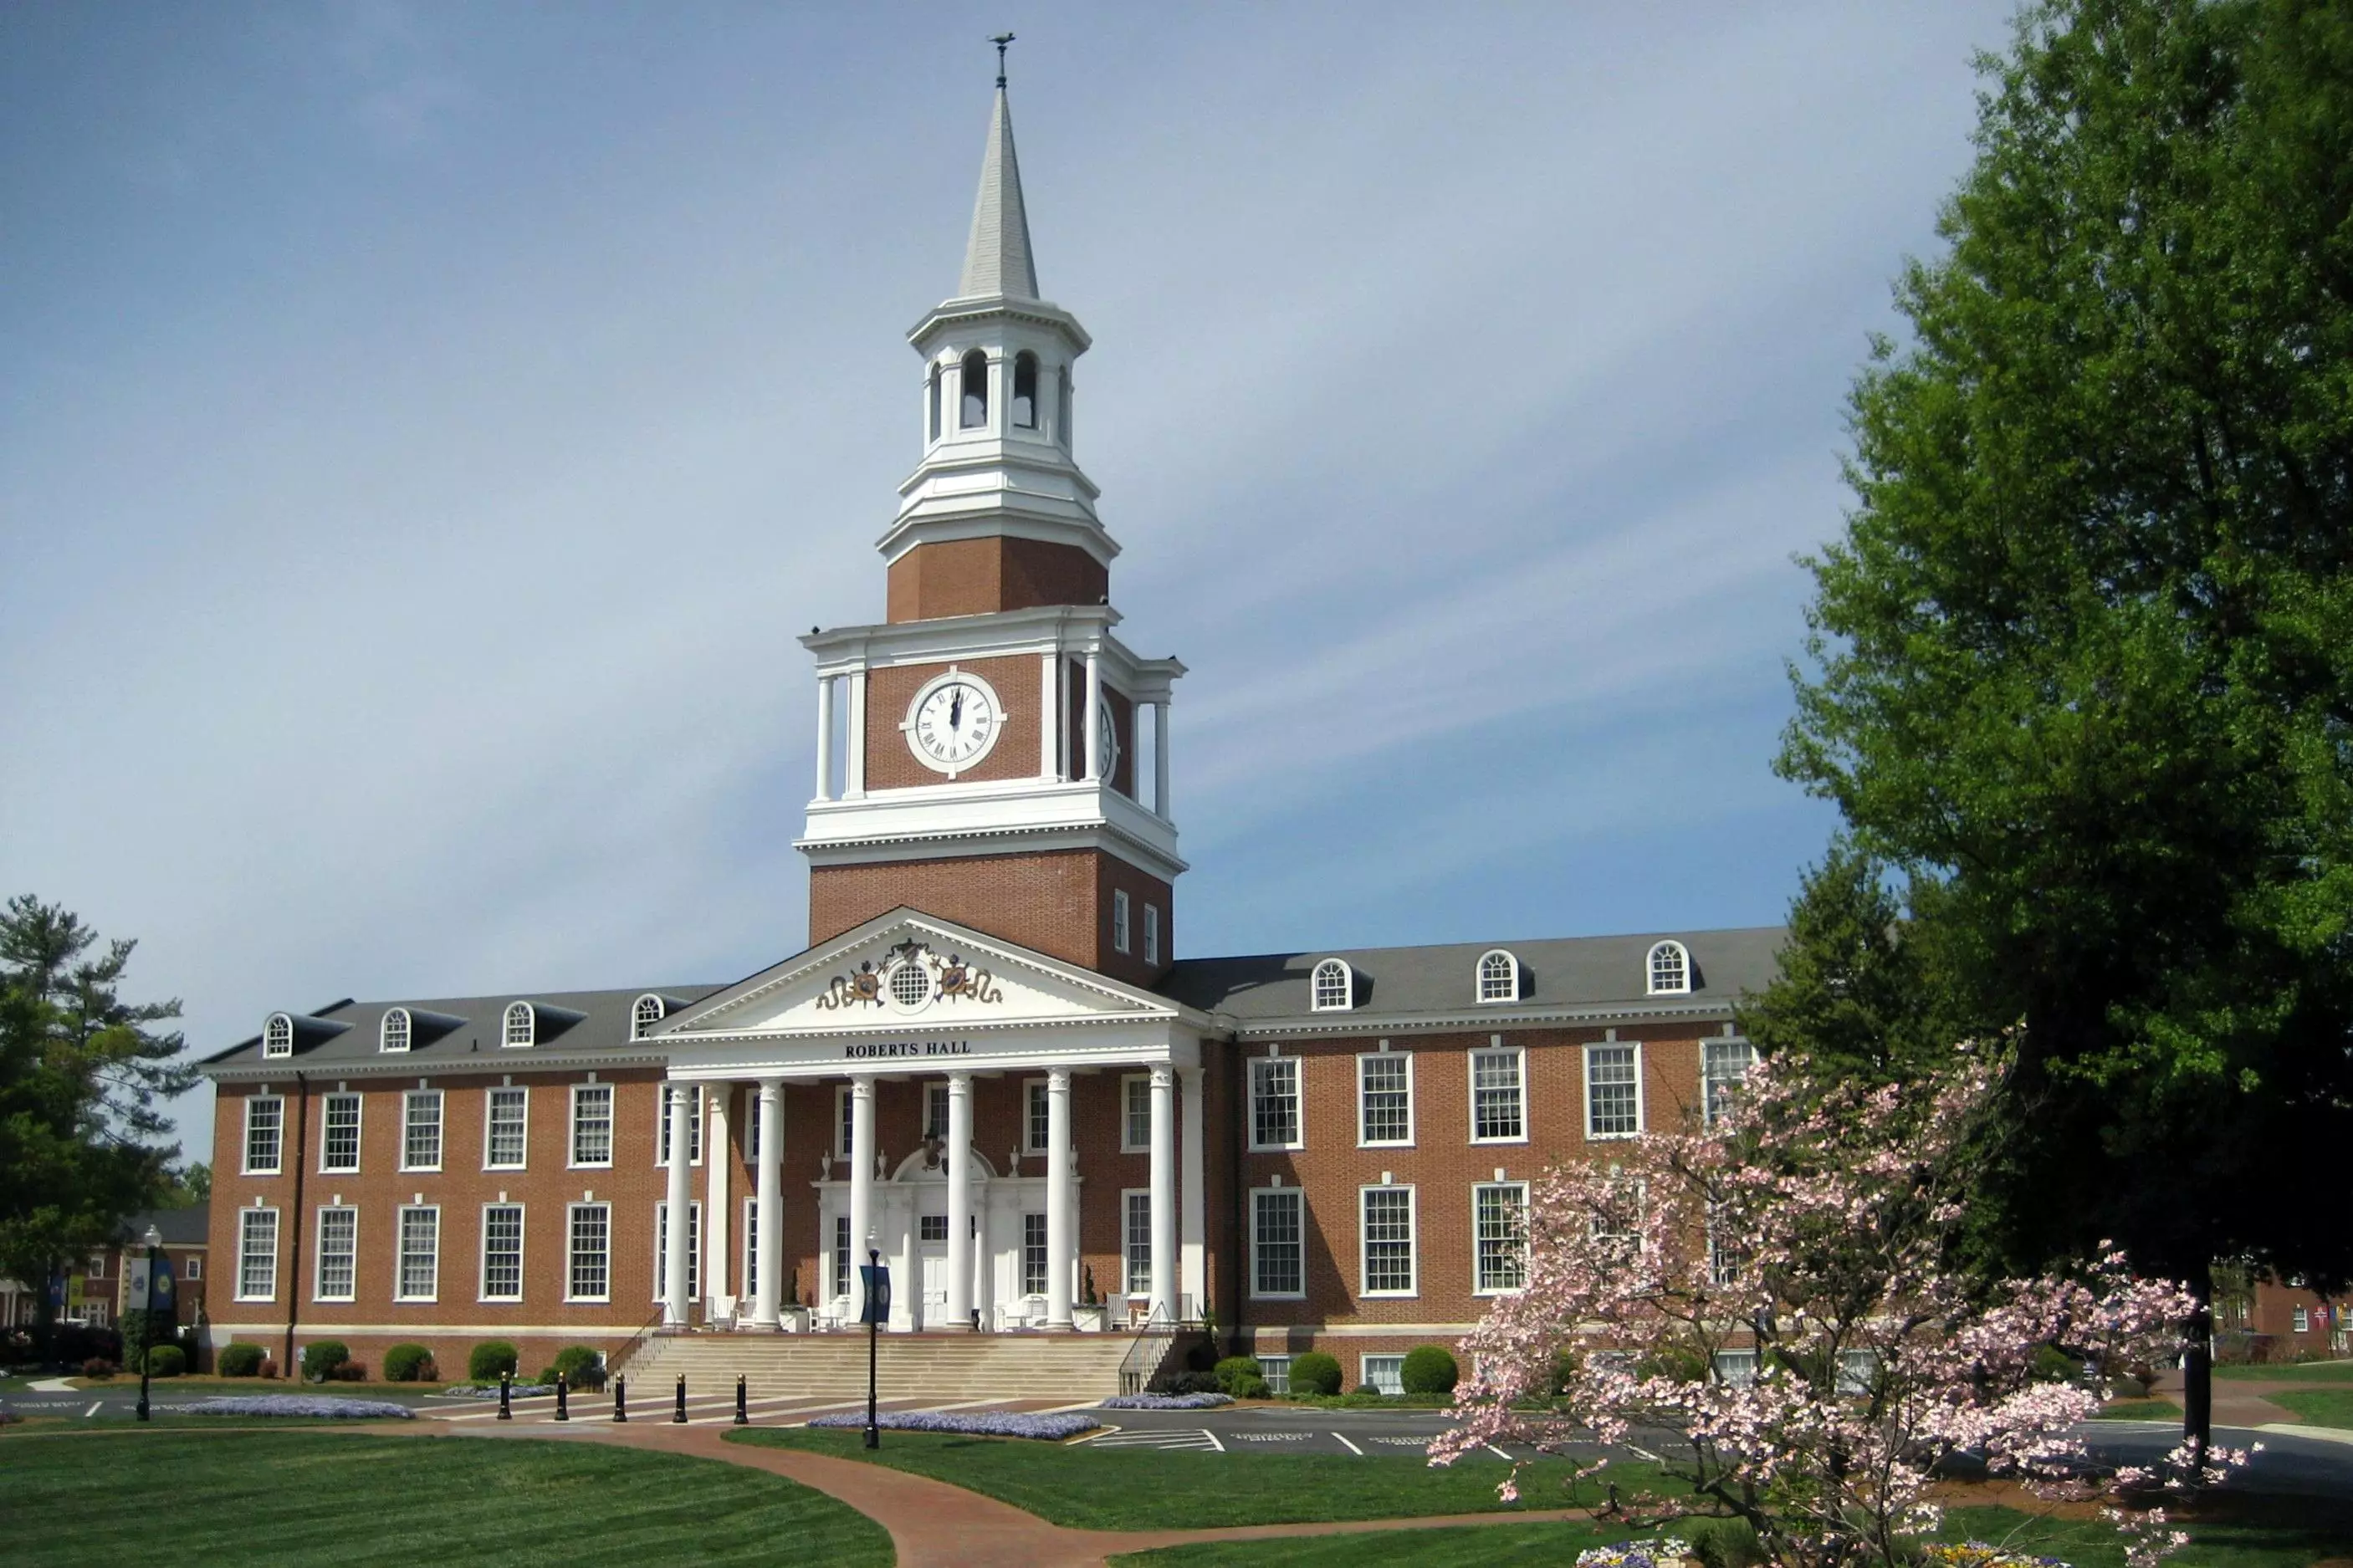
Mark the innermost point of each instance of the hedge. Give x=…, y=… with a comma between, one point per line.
x=1430, y=1369
x=322, y=1357
x=239, y=1360
x=406, y=1363
x=1233, y=1369
x=1315, y=1372
x=491, y=1358
x=166, y=1360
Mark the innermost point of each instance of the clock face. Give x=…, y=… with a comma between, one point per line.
x=953, y=723
x=1110, y=742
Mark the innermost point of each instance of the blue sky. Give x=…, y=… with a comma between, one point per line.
x=425, y=430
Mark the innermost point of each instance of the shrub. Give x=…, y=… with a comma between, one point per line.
x=1315, y=1372
x=2052, y=1364
x=322, y=1357
x=581, y=1366
x=1194, y=1383
x=269, y=1369
x=1563, y=1369
x=1233, y=1369
x=98, y=1366
x=1250, y=1385
x=238, y=1360
x=165, y=1360
x=1430, y=1369
x=71, y=1345
x=350, y=1372
x=405, y=1363
x=1202, y=1355
x=486, y=1362
x=1363, y=1391
x=1727, y=1544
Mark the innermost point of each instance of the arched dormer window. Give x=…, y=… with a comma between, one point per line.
x=1333, y=987
x=645, y=1016
x=277, y=1035
x=931, y=407
x=521, y=1024
x=392, y=1034
x=1670, y=970
x=973, y=406
x=1499, y=977
x=1025, y=390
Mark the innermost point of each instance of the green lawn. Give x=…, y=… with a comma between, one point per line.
x=1142, y=1488
x=296, y=1498
x=2316, y=1407
x=2291, y=1372
x=1454, y=1546
x=2138, y=1410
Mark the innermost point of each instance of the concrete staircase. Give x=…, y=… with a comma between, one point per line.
x=1064, y=1368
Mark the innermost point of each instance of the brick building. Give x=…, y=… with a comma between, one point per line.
x=989, y=1067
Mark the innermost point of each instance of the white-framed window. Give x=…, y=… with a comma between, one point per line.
x=419, y=1278
x=1499, y=977
x=752, y=1123
x=1384, y=1099
x=339, y=1138
x=1670, y=970
x=420, y=1139
x=1332, y=988
x=1037, y=1124
x=1152, y=933
x=502, y=1252
x=506, y=1128
x=1033, y=1255
x=191, y=1268
x=752, y=1251
x=1499, y=1095
x=844, y=1262
x=936, y=1110
x=693, y=1127
x=393, y=1034
x=1387, y=1236
x=644, y=1013
x=1724, y=1067
x=2303, y=1324
x=1386, y=1371
x=1278, y=1242
x=265, y=1133
x=592, y=1124
x=1119, y=920
x=1276, y=1370
x=1499, y=1232
x=1726, y=1256
x=693, y=1249
x=1275, y=1103
x=1857, y=1370
x=1613, y=1091
x=1135, y=1114
x=522, y=1028
x=337, y=1277
x=590, y=1275
x=1735, y=1369
x=277, y=1035
x=1135, y=1250
x=257, y=1254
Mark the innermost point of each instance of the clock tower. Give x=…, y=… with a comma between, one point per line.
x=992, y=753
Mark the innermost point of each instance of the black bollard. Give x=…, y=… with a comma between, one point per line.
x=505, y=1412
x=740, y=1418
x=563, y=1410
x=620, y=1399
x=677, y=1417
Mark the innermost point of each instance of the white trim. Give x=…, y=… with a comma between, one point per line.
x=1476, y=1288
x=1510, y=987
x=1298, y=1108
x=278, y=1166
x=1708, y=1081
x=695, y=1238
x=1127, y=1195
x=326, y=1125
x=407, y=1030
x=1641, y=1111
x=409, y=1099
x=1347, y=1002
x=244, y=1225
x=572, y=1130
x=1413, y=1242
x=1520, y=1073
x=489, y=1120
x=1364, y=1359
x=1682, y=956
x=530, y=1015
x=952, y=674
x=1128, y=1116
x=694, y=1124
x=1299, y=1197
x=276, y=1037
x=639, y=1023
x=1122, y=920
x=1386, y=1056
x=400, y=1251
x=319, y=1252
x=483, y=1252
x=570, y=1210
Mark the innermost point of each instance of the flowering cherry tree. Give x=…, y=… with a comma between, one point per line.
x=1770, y=1296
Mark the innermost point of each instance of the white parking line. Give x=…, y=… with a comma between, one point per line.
x=93, y=1408
x=1499, y=1454
x=1646, y=1453
x=1352, y=1448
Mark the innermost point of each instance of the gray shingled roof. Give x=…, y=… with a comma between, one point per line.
x=1557, y=972
x=996, y=259
x=179, y=1228
x=570, y=1023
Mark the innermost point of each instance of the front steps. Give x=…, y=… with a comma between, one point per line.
x=1064, y=1368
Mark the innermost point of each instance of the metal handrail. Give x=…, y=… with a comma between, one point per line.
x=1155, y=1335
x=614, y=1363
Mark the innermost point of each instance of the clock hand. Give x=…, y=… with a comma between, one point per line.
x=955, y=711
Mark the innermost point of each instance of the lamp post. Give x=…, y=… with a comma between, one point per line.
x=155, y=1239
x=873, y=1313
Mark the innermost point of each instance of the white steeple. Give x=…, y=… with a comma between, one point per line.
x=997, y=259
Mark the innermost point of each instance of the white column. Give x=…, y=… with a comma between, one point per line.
x=984, y=1263
x=1163, y=1193
x=1160, y=756
x=1191, y=1206
x=862, y=1175
x=1062, y=1236
x=853, y=767
x=824, y=737
x=1095, y=717
x=1049, y=726
x=682, y=1194
x=768, y=1229
x=959, y=1199
x=907, y=1275
x=718, y=1161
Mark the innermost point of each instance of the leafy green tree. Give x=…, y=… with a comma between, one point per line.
x=2084, y=654
x=80, y=1075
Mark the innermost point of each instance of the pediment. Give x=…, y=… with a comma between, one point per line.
x=907, y=973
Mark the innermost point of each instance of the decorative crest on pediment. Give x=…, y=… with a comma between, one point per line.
x=911, y=978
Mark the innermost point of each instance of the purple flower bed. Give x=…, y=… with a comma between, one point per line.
x=1166, y=1402
x=1053, y=1427
x=490, y=1390
x=301, y=1405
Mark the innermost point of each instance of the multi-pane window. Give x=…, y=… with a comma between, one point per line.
x=644, y=1016
x=1033, y=1255
x=502, y=1252
x=694, y=1128
x=510, y=1112
x=1388, y=1241
x=257, y=1254
x=277, y=1035
x=1724, y=1067
x=1137, y=1249
x=590, y=1277
x=1670, y=970
x=339, y=1248
x=1135, y=1120
x=592, y=1124
x=1276, y=1370
x=265, y=1127
x=1735, y=1369
x=1499, y=1228
x=394, y=1032
x=1613, y=1091
x=1499, y=978
x=752, y=1127
x=420, y=1254
x=1038, y=1124
x=842, y=1275
x=339, y=1144
x=1496, y=1109
x=752, y=1250
x=1331, y=989
x=1278, y=1266
x=1274, y=1102
x=1119, y=920
x=1386, y=1373
x=1726, y=1256
x=693, y=1251
x=936, y=1110
x=844, y=1118
x=1385, y=1097
x=932, y=1227
x=420, y=1142
x=521, y=1025
x=1152, y=933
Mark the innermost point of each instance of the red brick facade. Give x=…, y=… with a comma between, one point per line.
x=978, y=576
x=1059, y=902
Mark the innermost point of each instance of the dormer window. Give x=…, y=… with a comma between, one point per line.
x=392, y=1034
x=1670, y=970
x=1025, y=390
x=645, y=1016
x=973, y=393
x=277, y=1035
x=1499, y=977
x=521, y=1024
x=1333, y=987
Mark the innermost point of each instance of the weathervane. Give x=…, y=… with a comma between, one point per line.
x=1001, y=41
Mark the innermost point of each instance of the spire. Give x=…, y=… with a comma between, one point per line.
x=997, y=259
